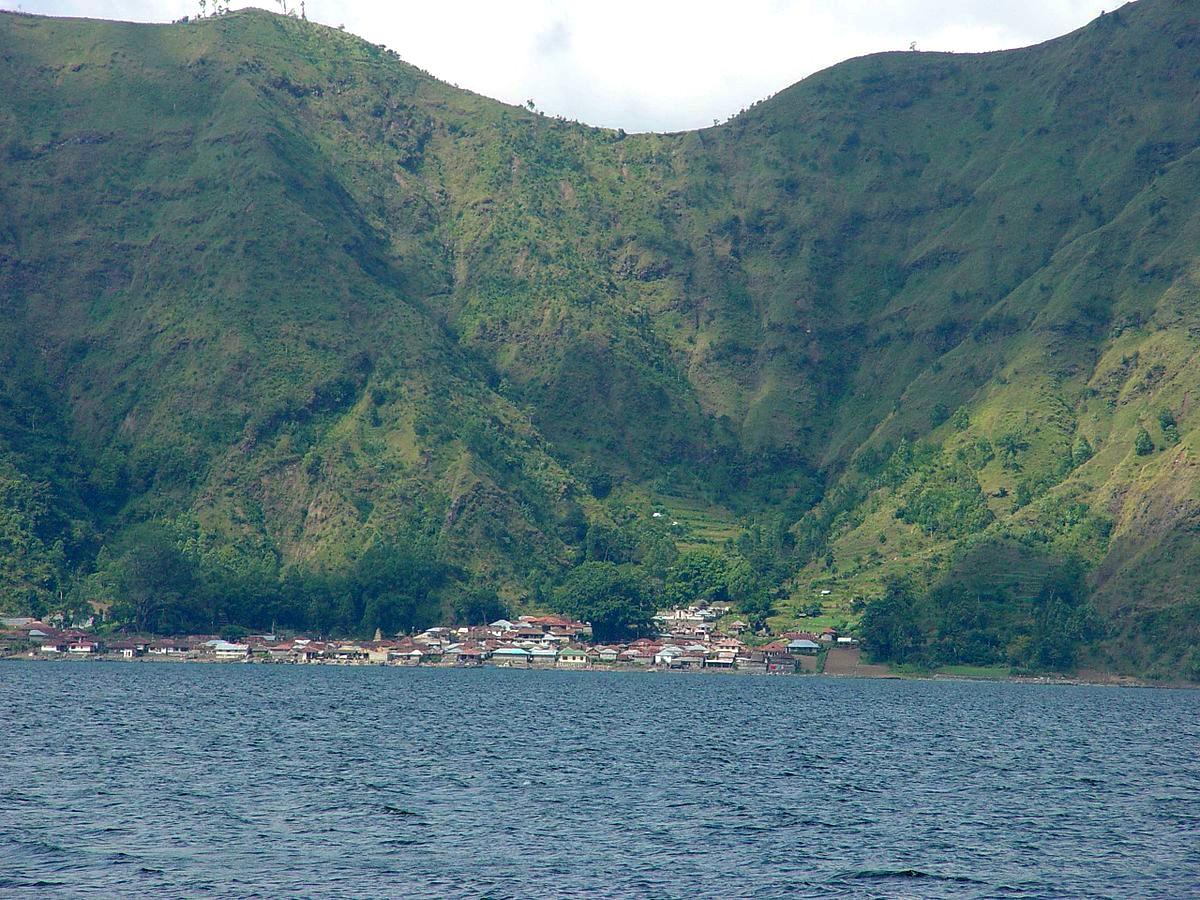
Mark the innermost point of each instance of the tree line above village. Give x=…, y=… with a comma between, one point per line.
x=159, y=584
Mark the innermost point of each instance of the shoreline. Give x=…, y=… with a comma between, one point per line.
x=1092, y=679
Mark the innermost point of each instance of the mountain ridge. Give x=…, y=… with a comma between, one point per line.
x=314, y=304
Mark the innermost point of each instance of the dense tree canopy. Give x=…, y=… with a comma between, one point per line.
x=615, y=599
x=478, y=604
x=1003, y=604
x=156, y=582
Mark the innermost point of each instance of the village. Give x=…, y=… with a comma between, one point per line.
x=703, y=637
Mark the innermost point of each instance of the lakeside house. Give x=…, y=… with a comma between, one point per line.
x=544, y=657
x=803, y=646
x=52, y=644
x=170, y=647
x=470, y=656
x=607, y=654
x=668, y=654
x=573, y=657
x=511, y=656
x=130, y=649
x=228, y=650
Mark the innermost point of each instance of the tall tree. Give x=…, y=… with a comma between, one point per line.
x=614, y=599
x=889, y=626
x=155, y=582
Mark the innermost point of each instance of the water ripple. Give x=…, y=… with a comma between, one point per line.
x=261, y=781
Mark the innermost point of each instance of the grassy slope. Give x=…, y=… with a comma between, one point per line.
x=1094, y=338
x=219, y=309
x=303, y=293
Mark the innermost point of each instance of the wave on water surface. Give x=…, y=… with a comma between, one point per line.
x=279, y=781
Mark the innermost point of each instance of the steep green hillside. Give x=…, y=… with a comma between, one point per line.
x=296, y=301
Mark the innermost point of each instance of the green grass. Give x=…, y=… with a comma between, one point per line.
x=701, y=525
x=991, y=672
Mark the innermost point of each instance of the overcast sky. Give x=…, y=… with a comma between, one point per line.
x=645, y=65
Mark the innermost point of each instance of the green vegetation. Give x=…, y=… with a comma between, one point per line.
x=157, y=582
x=980, y=615
x=1143, y=445
x=615, y=599
x=946, y=501
x=975, y=671
x=293, y=332
x=479, y=605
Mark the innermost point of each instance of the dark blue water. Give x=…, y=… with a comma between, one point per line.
x=122, y=779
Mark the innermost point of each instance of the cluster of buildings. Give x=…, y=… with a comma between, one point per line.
x=687, y=639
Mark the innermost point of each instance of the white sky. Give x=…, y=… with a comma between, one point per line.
x=646, y=65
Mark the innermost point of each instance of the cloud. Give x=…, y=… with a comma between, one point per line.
x=643, y=65
x=556, y=39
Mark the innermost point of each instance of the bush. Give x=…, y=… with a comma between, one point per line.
x=1001, y=603
x=17, y=152
x=1170, y=427
x=1023, y=495
x=946, y=500
x=1082, y=451
x=1142, y=444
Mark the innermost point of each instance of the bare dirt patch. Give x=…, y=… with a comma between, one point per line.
x=848, y=661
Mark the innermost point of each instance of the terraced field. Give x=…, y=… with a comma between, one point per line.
x=701, y=524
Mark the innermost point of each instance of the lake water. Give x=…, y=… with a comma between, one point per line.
x=123, y=779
